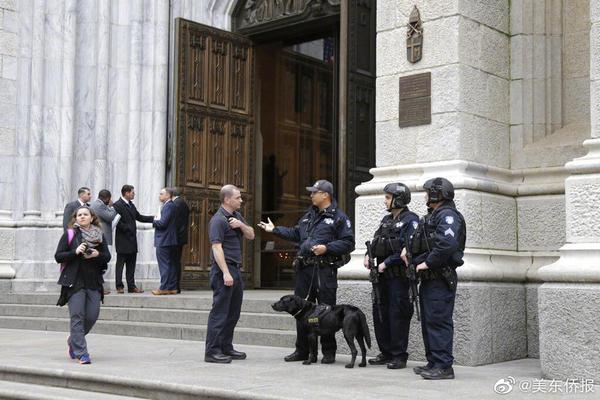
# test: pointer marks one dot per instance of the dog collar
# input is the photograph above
(297, 313)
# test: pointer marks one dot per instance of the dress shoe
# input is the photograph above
(217, 358)
(235, 355)
(380, 359)
(396, 363)
(421, 368)
(106, 292)
(328, 359)
(120, 290)
(136, 290)
(296, 356)
(159, 292)
(172, 292)
(438, 373)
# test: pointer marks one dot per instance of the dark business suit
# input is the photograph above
(165, 241)
(70, 208)
(126, 241)
(182, 222)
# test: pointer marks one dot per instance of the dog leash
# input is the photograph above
(312, 277)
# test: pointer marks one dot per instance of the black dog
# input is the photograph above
(323, 319)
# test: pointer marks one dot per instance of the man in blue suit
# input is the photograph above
(165, 241)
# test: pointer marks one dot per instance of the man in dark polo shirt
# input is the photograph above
(226, 230)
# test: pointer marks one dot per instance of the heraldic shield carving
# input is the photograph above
(414, 37)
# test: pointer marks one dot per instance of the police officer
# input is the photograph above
(226, 231)
(324, 240)
(393, 326)
(437, 247)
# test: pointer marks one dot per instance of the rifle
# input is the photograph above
(413, 280)
(374, 279)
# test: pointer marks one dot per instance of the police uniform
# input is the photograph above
(316, 276)
(439, 241)
(227, 300)
(392, 328)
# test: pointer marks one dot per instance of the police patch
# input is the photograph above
(450, 220)
(415, 224)
(348, 223)
(449, 232)
(328, 221)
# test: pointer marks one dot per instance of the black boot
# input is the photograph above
(422, 368)
(438, 373)
(217, 358)
(328, 359)
(380, 359)
(296, 356)
(396, 363)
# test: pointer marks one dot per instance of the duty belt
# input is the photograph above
(321, 261)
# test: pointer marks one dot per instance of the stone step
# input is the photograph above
(278, 321)
(29, 391)
(193, 301)
(243, 335)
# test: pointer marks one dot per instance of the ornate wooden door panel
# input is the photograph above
(360, 123)
(214, 133)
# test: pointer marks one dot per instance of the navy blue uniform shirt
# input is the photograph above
(330, 227)
(219, 231)
(449, 230)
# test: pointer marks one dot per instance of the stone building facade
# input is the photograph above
(86, 98)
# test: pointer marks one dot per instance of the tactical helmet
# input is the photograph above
(400, 193)
(439, 189)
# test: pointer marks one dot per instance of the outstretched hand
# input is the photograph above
(267, 226)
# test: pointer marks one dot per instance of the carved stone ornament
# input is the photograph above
(257, 12)
(414, 37)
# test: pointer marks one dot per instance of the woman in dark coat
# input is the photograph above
(84, 255)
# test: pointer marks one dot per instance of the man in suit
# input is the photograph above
(126, 239)
(182, 222)
(103, 207)
(84, 195)
(165, 241)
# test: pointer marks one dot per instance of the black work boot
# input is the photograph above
(422, 368)
(296, 356)
(396, 363)
(328, 359)
(380, 359)
(438, 373)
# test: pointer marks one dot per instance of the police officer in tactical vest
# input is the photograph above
(324, 240)
(437, 248)
(393, 326)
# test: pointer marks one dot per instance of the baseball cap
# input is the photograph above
(321, 186)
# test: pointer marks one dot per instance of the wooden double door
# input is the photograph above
(217, 115)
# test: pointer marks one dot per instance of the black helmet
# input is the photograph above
(400, 193)
(439, 189)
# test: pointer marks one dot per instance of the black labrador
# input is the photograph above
(324, 319)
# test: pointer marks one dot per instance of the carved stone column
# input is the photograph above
(569, 301)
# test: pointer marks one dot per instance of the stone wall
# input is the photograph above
(8, 129)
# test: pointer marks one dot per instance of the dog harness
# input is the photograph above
(321, 310)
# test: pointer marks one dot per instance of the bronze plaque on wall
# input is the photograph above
(415, 100)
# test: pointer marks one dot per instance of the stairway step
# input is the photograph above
(243, 335)
(29, 391)
(193, 301)
(172, 316)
